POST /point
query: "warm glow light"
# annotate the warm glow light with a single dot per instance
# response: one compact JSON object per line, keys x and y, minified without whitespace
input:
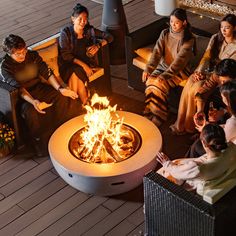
{"x":104,"y":139}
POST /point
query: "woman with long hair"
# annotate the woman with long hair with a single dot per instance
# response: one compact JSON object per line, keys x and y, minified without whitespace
{"x":77,"y":45}
{"x":168,"y":66}
{"x":203,"y":82}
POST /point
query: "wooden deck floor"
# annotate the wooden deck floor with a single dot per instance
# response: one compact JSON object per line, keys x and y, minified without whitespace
{"x":34,"y":200}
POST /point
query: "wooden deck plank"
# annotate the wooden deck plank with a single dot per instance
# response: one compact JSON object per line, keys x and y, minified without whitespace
{"x":4,"y":159}
{"x":129,"y":224}
{"x":113,"y":219}
{"x":26,"y":178}
{"x":55,"y":214}
{"x":74,"y":216}
{"x":26,"y":191}
{"x":138,"y":231}
{"x":87,"y":222}
{"x":11,"y":163}
{"x":123,"y":228}
{"x":16,"y":172}
{"x":42,"y":194}
{"x":10,"y":215}
{"x":38,"y":211}
{"x":40,"y":160}
{"x":137,"y":217}
{"x":113,"y":203}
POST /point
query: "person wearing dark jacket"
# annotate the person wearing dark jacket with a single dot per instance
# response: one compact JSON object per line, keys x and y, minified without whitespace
{"x":78,"y":44}
{"x":45,"y":105}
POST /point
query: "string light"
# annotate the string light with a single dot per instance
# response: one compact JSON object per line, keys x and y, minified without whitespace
{"x":210,"y":7}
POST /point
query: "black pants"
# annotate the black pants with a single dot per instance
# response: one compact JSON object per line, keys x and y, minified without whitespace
{"x":63,"y":109}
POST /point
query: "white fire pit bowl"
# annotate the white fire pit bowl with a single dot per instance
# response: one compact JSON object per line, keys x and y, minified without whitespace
{"x":105,"y":179}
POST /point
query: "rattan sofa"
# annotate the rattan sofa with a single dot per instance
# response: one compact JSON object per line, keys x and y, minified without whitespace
{"x":48,"y":50}
{"x":170,"y":210}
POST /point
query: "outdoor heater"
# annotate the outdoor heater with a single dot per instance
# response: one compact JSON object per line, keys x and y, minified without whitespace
{"x":114,"y":21}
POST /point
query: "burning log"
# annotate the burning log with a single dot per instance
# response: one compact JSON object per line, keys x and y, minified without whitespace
{"x":111,"y":150}
{"x":104,"y":139}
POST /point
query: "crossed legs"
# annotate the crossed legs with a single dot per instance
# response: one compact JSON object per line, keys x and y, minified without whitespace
{"x":78,"y":86}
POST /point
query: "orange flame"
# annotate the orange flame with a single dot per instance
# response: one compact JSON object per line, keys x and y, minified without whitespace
{"x":103,"y":123}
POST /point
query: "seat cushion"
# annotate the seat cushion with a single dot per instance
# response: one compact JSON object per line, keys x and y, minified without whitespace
{"x":145,"y":52}
{"x":50,"y":55}
{"x":140,"y":62}
{"x":97,"y":72}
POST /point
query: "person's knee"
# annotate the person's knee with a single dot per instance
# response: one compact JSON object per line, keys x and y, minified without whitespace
{"x":27,"y":110}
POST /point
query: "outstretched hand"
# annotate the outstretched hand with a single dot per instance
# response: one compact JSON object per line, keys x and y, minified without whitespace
{"x":162,"y":158}
{"x":68,"y":93}
{"x":37,"y":105}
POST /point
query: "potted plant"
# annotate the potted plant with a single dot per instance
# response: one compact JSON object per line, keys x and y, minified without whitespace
{"x":7,"y":139}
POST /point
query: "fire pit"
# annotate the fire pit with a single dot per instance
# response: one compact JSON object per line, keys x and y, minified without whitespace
{"x":105,"y":159}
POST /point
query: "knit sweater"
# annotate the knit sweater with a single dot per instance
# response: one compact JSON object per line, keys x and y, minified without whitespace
{"x":171,"y":56}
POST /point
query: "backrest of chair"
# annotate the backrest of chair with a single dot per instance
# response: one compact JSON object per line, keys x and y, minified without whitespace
{"x":48,"y":50}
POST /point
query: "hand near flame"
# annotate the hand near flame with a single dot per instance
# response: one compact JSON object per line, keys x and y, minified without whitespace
{"x":68,"y":93}
{"x":37,"y":106}
{"x":162,"y":158}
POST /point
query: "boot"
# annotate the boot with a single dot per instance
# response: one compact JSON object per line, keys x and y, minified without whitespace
{"x":40,"y":147}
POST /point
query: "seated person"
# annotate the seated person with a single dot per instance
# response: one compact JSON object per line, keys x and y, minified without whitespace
{"x":203,"y":82}
{"x":23,"y":69}
{"x":193,"y":173}
{"x":228,"y":93}
{"x":77,"y":46}
{"x":168,"y":66}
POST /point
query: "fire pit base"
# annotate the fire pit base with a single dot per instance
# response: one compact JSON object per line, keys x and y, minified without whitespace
{"x":108,"y":178}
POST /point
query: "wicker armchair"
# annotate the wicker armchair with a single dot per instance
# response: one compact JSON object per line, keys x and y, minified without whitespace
{"x":10,"y":99}
{"x":170,"y":210}
{"x":9,"y":105}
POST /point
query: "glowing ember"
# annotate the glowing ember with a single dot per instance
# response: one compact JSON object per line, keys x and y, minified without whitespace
{"x":105,"y":138}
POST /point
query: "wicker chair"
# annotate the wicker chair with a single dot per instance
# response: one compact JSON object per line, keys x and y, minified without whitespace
{"x":10,"y":99}
{"x":170,"y":210}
